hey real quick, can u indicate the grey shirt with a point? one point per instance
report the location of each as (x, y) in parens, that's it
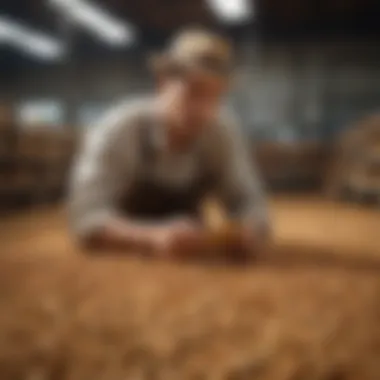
(112, 158)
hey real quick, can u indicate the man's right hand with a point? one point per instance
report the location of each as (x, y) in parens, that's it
(178, 238)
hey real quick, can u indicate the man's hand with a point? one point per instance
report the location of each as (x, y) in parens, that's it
(252, 242)
(179, 238)
(236, 242)
(184, 238)
(248, 242)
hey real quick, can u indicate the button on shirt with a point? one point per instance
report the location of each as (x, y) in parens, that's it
(113, 157)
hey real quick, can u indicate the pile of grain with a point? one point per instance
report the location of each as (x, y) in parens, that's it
(70, 317)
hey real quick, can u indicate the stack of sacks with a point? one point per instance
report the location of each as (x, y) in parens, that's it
(355, 170)
(31, 147)
(291, 164)
(43, 159)
(6, 132)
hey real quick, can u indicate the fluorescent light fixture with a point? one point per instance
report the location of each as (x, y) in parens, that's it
(231, 11)
(98, 21)
(4, 31)
(29, 41)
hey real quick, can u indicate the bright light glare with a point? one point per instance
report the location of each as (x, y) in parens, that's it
(40, 112)
(231, 11)
(98, 21)
(4, 31)
(29, 41)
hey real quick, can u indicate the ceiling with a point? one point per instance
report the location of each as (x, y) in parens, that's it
(156, 19)
(158, 15)
(164, 16)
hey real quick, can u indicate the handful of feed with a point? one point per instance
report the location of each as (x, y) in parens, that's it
(224, 234)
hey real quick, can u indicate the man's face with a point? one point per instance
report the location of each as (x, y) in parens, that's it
(191, 102)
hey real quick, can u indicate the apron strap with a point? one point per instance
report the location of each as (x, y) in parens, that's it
(145, 138)
(206, 172)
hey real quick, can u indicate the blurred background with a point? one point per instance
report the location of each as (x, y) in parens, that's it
(307, 92)
(306, 89)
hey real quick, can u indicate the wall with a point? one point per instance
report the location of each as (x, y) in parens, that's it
(314, 88)
(281, 91)
(74, 85)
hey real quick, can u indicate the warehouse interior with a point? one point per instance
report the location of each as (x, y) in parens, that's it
(306, 90)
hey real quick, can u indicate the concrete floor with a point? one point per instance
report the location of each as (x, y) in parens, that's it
(68, 316)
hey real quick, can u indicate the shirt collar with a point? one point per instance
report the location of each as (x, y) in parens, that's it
(159, 132)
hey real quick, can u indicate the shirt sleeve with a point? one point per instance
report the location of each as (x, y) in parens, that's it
(238, 182)
(102, 173)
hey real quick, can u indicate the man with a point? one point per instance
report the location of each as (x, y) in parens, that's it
(142, 173)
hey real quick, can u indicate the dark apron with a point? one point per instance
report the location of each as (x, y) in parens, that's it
(149, 200)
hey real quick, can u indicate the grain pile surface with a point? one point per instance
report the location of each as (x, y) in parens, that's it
(66, 316)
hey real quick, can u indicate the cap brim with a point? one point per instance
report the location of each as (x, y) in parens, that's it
(162, 63)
